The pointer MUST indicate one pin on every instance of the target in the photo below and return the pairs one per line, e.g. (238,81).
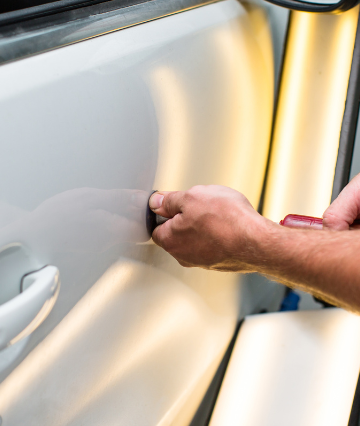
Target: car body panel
(94,127)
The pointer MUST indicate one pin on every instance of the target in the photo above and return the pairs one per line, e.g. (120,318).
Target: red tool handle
(299,221)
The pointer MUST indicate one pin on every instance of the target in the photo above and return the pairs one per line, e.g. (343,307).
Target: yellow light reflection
(247,86)
(214,109)
(237,404)
(245,141)
(109,344)
(72,326)
(172,112)
(310,111)
(168,323)
(296,368)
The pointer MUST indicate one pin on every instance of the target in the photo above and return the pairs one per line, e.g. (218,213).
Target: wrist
(268,240)
(254,240)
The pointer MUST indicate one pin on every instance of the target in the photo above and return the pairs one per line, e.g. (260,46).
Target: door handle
(21,315)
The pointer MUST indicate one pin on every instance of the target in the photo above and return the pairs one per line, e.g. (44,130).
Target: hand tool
(152,219)
(300,221)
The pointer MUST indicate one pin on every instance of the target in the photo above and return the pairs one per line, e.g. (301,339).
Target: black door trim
(51,7)
(349,123)
(46,33)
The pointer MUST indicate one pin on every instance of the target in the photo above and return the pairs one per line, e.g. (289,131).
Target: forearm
(215,227)
(324,263)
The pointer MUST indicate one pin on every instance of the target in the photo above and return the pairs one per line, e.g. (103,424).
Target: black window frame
(66,9)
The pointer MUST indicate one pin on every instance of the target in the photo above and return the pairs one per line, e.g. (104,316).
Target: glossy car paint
(87,132)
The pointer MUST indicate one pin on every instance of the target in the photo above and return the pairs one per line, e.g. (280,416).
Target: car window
(11,5)
(13,11)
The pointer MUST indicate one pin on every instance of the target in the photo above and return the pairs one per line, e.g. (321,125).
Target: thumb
(343,211)
(166,204)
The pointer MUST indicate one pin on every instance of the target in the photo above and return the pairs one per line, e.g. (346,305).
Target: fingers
(161,235)
(165,237)
(345,209)
(331,221)
(167,204)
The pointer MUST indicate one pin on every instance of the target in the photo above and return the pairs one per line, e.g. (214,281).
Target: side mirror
(319,6)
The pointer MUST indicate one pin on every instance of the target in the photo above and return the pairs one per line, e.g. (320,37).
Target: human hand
(343,211)
(213,227)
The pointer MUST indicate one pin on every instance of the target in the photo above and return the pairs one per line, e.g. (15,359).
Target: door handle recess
(21,315)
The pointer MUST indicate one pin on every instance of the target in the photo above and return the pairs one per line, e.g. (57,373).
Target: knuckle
(332,221)
(194,194)
(197,189)
(329,218)
(166,202)
(169,203)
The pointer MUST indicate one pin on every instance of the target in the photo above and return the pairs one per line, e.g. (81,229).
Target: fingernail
(155,201)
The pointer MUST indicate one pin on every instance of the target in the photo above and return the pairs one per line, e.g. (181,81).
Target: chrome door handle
(21,315)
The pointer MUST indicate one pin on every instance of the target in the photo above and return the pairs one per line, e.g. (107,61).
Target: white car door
(100,105)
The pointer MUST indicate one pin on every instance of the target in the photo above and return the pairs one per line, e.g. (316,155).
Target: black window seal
(349,123)
(59,6)
(41,34)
